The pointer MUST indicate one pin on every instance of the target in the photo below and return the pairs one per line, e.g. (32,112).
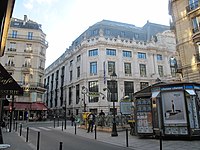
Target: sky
(64,20)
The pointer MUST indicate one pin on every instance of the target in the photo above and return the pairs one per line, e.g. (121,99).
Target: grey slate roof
(114,29)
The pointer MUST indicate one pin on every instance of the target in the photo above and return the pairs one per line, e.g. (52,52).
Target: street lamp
(113,77)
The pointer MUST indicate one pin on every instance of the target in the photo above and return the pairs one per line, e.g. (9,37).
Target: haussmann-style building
(24,59)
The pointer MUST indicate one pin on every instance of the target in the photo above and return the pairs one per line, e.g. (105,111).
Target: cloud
(29,4)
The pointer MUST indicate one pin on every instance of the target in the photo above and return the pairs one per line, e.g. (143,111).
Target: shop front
(170,109)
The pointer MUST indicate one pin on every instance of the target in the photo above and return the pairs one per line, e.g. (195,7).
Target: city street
(51,137)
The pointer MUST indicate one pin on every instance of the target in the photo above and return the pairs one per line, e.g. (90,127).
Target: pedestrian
(72,118)
(91,121)
(101,118)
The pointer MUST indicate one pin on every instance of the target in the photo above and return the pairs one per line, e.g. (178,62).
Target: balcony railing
(31,84)
(193,6)
(25,37)
(12,49)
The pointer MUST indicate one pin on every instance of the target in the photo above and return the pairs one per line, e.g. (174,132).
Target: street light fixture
(113,78)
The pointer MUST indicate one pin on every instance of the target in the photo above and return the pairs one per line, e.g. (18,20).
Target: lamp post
(113,77)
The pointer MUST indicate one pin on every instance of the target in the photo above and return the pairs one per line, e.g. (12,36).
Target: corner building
(24,59)
(185,23)
(137,55)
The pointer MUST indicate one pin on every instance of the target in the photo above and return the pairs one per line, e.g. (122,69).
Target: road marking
(34,129)
(44,128)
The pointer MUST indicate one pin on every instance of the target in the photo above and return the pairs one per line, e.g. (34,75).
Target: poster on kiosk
(173,105)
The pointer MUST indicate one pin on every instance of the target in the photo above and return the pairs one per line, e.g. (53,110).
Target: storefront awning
(27,106)
(155,94)
(191,92)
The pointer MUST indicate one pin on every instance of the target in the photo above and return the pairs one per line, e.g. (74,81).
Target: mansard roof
(115,29)
(25,23)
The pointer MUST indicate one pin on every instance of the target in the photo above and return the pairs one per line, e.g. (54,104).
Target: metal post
(95,132)
(126,137)
(65,114)
(58,122)
(11,113)
(75,127)
(160,140)
(20,131)
(62,125)
(27,134)
(38,141)
(60,148)
(16,126)
(54,121)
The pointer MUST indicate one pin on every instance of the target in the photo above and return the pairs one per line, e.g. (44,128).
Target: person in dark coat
(91,121)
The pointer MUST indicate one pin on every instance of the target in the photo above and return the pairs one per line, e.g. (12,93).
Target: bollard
(20,131)
(95,132)
(126,137)
(16,127)
(27,134)
(38,141)
(60,146)
(75,127)
(58,122)
(54,121)
(160,140)
(62,125)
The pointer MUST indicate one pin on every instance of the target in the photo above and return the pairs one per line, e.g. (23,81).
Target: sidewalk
(18,142)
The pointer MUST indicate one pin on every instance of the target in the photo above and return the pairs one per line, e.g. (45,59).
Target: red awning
(38,106)
(27,106)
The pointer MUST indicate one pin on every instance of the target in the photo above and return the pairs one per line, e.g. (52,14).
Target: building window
(78,58)
(136,35)
(129,89)
(122,34)
(70,75)
(107,32)
(159,57)
(93,52)
(142,55)
(28,47)
(95,32)
(27,62)
(70,95)
(173,66)
(93,68)
(113,95)
(143,85)
(78,71)
(14,34)
(30,35)
(111,67)
(111,52)
(93,87)
(71,62)
(143,70)
(12,46)
(77,94)
(160,71)
(10,61)
(195,23)
(127,68)
(127,54)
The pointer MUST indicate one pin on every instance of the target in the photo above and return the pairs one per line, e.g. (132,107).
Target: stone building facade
(78,78)
(24,59)
(185,23)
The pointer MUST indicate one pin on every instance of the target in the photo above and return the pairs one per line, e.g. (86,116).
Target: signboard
(8,86)
(126,108)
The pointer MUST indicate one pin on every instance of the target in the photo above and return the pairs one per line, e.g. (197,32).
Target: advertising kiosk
(172,109)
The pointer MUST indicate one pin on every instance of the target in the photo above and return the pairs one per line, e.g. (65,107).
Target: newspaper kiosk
(172,109)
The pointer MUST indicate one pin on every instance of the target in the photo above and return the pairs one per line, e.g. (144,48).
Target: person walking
(91,121)
(101,118)
(72,118)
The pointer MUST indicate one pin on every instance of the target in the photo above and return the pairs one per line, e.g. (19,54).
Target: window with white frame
(93,68)
(27,62)
(111,52)
(142,55)
(127,68)
(10,61)
(93,52)
(30,35)
(160,71)
(111,67)
(143,72)
(127,53)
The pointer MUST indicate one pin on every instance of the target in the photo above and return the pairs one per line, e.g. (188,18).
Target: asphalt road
(50,139)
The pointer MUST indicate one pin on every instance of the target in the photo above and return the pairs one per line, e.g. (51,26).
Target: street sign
(126,108)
